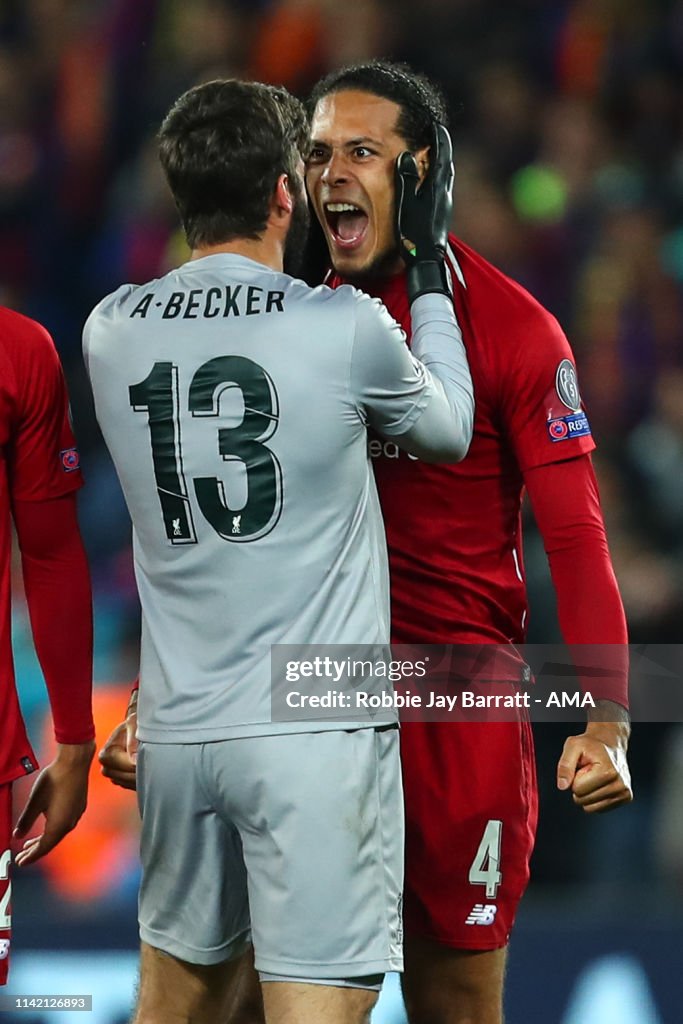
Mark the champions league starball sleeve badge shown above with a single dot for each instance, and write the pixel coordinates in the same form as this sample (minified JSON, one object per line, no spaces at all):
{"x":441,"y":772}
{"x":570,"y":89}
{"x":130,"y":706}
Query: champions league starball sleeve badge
{"x":562,"y":427}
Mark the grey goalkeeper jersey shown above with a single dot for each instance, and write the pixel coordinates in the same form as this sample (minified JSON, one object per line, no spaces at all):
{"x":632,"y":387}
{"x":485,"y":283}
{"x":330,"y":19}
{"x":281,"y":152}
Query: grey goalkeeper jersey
{"x":234,"y":401}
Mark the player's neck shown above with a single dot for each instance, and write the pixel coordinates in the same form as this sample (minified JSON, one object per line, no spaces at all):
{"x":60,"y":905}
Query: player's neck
{"x":266,"y":250}
{"x":377,"y":275}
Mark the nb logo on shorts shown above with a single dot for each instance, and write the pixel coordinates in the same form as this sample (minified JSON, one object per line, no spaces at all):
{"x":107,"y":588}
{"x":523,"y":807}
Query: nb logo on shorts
{"x":4,"y":949}
{"x":482,"y":913}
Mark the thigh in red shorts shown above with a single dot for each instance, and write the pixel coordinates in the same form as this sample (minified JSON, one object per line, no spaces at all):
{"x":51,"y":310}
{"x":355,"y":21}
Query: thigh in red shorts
{"x":471,"y":811}
{"x":5,"y":886}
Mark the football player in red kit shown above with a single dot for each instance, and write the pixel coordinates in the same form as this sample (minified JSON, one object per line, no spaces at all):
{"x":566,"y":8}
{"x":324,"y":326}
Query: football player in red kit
{"x":454,"y":538}
{"x":39,"y":477}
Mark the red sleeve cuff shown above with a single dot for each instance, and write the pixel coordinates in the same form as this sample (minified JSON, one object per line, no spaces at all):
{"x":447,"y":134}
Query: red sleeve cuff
{"x":83,"y":736}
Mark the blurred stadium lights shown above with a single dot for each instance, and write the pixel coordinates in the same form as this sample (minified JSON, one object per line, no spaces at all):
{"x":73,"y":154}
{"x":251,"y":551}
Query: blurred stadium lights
{"x":614,"y":990}
{"x":109,"y":977}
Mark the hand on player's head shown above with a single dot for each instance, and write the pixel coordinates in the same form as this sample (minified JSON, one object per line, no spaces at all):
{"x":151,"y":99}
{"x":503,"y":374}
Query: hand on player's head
{"x":424,"y":209}
{"x":423,"y":215}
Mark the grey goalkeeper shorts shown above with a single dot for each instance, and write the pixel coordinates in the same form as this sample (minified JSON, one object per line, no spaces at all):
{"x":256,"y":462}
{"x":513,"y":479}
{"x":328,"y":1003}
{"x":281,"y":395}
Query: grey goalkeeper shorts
{"x":293,"y":842}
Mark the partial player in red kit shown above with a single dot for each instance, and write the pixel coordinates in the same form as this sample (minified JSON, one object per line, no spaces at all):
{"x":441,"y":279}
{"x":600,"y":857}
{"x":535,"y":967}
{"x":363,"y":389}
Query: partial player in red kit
{"x":39,"y":477}
{"x":455,"y":545}
{"x":454,"y":537}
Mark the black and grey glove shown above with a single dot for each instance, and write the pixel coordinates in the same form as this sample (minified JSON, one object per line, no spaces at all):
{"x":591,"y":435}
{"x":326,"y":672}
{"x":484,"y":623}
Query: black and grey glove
{"x":423,"y":216}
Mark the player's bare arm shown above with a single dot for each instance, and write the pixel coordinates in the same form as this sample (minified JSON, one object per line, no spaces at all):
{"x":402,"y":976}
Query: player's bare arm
{"x":60,"y":793}
{"x":118,"y":756}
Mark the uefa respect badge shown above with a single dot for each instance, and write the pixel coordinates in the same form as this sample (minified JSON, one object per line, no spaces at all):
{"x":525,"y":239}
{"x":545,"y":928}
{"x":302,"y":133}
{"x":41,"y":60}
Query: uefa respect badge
{"x":564,"y":428}
{"x":70,"y":459}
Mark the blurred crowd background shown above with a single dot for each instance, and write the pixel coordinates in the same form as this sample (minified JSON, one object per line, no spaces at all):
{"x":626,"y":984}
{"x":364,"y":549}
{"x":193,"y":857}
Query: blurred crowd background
{"x":567,"y":119}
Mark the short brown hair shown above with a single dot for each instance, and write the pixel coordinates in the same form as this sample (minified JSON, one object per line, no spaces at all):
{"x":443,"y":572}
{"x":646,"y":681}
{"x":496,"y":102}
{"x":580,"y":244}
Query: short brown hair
{"x":223,"y":146}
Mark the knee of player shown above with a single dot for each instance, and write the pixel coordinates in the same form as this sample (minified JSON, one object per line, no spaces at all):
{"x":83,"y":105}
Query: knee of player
{"x":461,"y":1001}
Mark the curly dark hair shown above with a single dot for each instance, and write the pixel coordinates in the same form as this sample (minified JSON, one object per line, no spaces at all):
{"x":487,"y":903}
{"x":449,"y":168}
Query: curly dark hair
{"x":421,"y":103}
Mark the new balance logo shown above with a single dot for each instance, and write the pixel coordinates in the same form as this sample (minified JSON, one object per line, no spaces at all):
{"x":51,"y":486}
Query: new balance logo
{"x":482,"y":913}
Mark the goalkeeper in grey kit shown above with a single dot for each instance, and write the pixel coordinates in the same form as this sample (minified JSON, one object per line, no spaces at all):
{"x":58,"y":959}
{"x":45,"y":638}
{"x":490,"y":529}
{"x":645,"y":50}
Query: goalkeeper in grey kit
{"x":241,"y":446}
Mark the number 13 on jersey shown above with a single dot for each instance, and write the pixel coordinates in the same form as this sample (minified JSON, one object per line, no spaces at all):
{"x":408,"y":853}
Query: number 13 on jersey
{"x":159,"y":396}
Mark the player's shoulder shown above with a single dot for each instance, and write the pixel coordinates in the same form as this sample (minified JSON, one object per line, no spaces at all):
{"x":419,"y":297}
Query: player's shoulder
{"x":19,"y":333}
{"x":111,"y":305}
{"x":345,"y":303}
{"x":26,"y":349}
{"x":344,"y":294}
{"x":492,"y":297}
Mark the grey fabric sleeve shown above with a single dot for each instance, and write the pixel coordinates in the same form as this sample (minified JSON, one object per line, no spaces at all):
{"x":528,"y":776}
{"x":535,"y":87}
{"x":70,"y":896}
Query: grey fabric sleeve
{"x":426,"y":404}
{"x":437,"y":342}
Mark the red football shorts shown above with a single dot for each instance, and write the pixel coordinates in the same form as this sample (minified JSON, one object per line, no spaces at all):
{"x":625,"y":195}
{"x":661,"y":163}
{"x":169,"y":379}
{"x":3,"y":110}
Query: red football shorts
{"x":5,"y":886}
{"x":471,"y":812}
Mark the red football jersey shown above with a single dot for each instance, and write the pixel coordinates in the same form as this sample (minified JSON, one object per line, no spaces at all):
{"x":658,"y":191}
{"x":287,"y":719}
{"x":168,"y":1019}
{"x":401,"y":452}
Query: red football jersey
{"x":38,"y":461}
{"x":454,"y":532}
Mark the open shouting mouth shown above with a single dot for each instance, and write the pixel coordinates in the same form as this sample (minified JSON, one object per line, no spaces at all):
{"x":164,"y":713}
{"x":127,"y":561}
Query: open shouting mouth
{"x":347,"y":223}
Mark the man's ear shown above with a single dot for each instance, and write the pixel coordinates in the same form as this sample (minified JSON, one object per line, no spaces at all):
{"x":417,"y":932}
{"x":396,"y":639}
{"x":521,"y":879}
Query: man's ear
{"x":422,"y":161}
{"x":283,"y":201}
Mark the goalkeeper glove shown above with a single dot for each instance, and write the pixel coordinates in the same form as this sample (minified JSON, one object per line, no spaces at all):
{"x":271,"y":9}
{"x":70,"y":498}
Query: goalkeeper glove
{"x":423,"y":216}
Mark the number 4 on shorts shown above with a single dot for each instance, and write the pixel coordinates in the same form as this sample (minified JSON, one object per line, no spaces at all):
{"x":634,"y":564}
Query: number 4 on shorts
{"x":484,"y":869}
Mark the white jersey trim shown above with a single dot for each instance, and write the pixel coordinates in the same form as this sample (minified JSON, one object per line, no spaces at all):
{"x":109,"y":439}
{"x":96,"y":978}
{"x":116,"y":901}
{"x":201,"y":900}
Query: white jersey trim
{"x":515,"y":557}
{"x":453,"y":265}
